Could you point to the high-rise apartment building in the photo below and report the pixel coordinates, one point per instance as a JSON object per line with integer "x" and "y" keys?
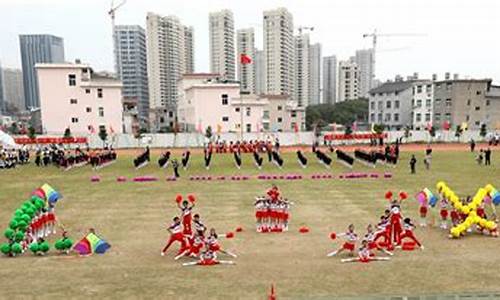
{"x": 366, "y": 67}
{"x": 260, "y": 72}
{"x": 246, "y": 72}
{"x": 221, "y": 42}
{"x": 279, "y": 51}
{"x": 170, "y": 54}
{"x": 315, "y": 74}
{"x": 348, "y": 81}
{"x": 302, "y": 70}
{"x": 13, "y": 89}
{"x": 37, "y": 48}
{"x": 131, "y": 66}
{"x": 330, "y": 79}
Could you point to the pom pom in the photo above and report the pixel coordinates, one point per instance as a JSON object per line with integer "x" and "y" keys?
{"x": 19, "y": 237}
{"x": 304, "y": 229}
{"x": 388, "y": 195}
{"x": 333, "y": 235}
{"x": 229, "y": 235}
{"x": 44, "y": 247}
{"x": 178, "y": 198}
{"x": 403, "y": 195}
{"x": 34, "y": 247}
{"x": 239, "y": 229}
{"x": 191, "y": 198}
{"x": 5, "y": 248}
{"x": 16, "y": 248}
{"x": 9, "y": 233}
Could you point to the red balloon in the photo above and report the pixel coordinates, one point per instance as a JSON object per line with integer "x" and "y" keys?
{"x": 333, "y": 235}
{"x": 239, "y": 229}
{"x": 229, "y": 235}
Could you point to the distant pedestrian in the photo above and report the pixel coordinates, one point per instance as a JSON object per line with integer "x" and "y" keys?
{"x": 472, "y": 145}
{"x": 413, "y": 163}
{"x": 479, "y": 157}
{"x": 487, "y": 157}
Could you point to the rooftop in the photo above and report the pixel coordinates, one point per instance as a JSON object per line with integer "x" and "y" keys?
{"x": 391, "y": 87}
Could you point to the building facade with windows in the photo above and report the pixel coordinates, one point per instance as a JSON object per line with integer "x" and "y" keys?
{"x": 302, "y": 70}
{"x": 315, "y": 74}
{"x": 37, "y": 48}
{"x": 391, "y": 104}
{"x": 365, "y": 60}
{"x": 13, "y": 89}
{"x": 73, "y": 96}
{"x": 131, "y": 66}
{"x": 246, "y": 72}
{"x": 330, "y": 79}
{"x": 422, "y": 104}
{"x": 348, "y": 81}
{"x": 221, "y": 44}
{"x": 282, "y": 114}
{"x": 260, "y": 72}
{"x": 471, "y": 101}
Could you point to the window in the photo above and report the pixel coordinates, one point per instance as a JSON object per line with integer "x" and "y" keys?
{"x": 448, "y": 116}
{"x": 89, "y": 109}
{"x": 388, "y": 104}
{"x": 418, "y": 117}
{"x": 293, "y": 114}
{"x": 280, "y": 107}
{"x": 372, "y": 117}
{"x": 379, "y": 117}
{"x": 478, "y": 92}
{"x": 72, "y": 79}
{"x": 468, "y": 102}
{"x": 265, "y": 114}
{"x": 74, "y": 120}
{"x": 419, "y": 89}
{"x": 396, "y": 117}
{"x": 380, "y": 105}
{"x": 437, "y": 117}
{"x": 477, "y": 108}
{"x": 225, "y": 119}
{"x": 280, "y": 119}
{"x": 448, "y": 102}
{"x": 487, "y": 102}
{"x": 437, "y": 101}
{"x": 467, "y": 118}
{"x": 237, "y": 109}
{"x": 248, "y": 111}
{"x": 99, "y": 93}
{"x": 419, "y": 103}
{"x": 372, "y": 105}
{"x": 477, "y": 123}
{"x": 87, "y": 91}
{"x": 266, "y": 126}
{"x": 427, "y": 117}
{"x": 428, "y": 103}
{"x": 73, "y": 101}
{"x": 101, "y": 111}
{"x": 387, "y": 117}
{"x": 162, "y": 120}
{"x": 249, "y": 127}
{"x": 396, "y": 104}
{"x": 170, "y": 114}
{"x": 225, "y": 99}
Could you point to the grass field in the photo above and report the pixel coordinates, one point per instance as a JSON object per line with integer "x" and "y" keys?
{"x": 133, "y": 218}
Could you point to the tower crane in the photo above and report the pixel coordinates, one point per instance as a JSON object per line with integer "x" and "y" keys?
{"x": 301, "y": 28}
{"x": 112, "y": 14}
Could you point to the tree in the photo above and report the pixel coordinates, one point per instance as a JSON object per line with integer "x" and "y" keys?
{"x": 103, "y": 134}
{"x": 31, "y": 132}
{"x": 379, "y": 128}
{"x": 483, "y": 131}
{"x": 208, "y": 132}
{"x": 14, "y": 129}
{"x": 67, "y": 133}
{"x": 341, "y": 113}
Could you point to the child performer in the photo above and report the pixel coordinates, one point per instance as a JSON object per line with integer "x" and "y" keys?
{"x": 258, "y": 160}
{"x": 370, "y": 238}
{"x": 365, "y": 255}
{"x": 350, "y": 244}
{"x": 199, "y": 227}
{"x": 213, "y": 244}
{"x": 260, "y": 213}
{"x": 175, "y": 166}
{"x": 185, "y": 159}
{"x": 208, "y": 258}
{"x": 443, "y": 204}
{"x": 384, "y": 229}
{"x": 237, "y": 159}
{"x": 302, "y": 159}
{"x": 408, "y": 233}
{"x": 186, "y": 210}
{"x": 424, "y": 208}
{"x": 175, "y": 236}
{"x": 395, "y": 219}
{"x": 208, "y": 156}
{"x": 194, "y": 248}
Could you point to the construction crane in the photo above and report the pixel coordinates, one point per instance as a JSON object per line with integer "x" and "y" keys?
{"x": 374, "y": 35}
{"x": 112, "y": 13}
{"x": 304, "y": 28}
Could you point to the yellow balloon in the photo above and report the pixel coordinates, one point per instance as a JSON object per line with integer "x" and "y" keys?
{"x": 488, "y": 188}
{"x": 490, "y": 225}
{"x": 466, "y": 210}
{"x": 472, "y": 215}
{"x": 477, "y": 219}
{"x": 482, "y": 223}
{"x": 455, "y": 232}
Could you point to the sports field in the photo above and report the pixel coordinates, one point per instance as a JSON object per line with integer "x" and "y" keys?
{"x": 133, "y": 217}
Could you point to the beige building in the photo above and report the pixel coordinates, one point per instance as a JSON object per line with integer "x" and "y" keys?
{"x": 348, "y": 81}
{"x": 246, "y": 72}
{"x": 471, "y": 101}
{"x": 279, "y": 52}
{"x": 169, "y": 55}
{"x": 73, "y": 96}
{"x": 282, "y": 114}
{"x": 221, "y": 42}
{"x": 302, "y": 69}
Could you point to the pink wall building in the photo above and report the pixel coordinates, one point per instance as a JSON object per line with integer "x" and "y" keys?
{"x": 73, "y": 96}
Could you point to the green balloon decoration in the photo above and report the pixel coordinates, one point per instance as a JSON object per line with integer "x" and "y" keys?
{"x": 59, "y": 245}
{"x": 30, "y": 212}
{"x": 5, "y": 248}
{"x": 68, "y": 243}
{"x": 18, "y": 213}
{"x": 9, "y": 233}
{"x": 34, "y": 247}
{"x": 19, "y": 237}
{"x": 16, "y": 248}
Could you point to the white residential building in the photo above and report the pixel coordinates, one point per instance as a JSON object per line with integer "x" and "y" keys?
{"x": 282, "y": 114}
{"x": 302, "y": 70}
{"x": 73, "y": 96}
{"x": 330, "y": 79}
{"x": 366, "y": 67}
{"x": 422, "y": 103}
{"x": 348, "y": 81}
{"x": 221, "y": 42}
{"x": 260, "y": 72}
{"x": 246, "y": 72}
{"x": 169, "y": 55}
{"x": 315, "y": 74}
{"x": 279, "y": 49}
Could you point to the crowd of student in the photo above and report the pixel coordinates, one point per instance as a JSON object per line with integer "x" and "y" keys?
{"x": 10, "y": 158}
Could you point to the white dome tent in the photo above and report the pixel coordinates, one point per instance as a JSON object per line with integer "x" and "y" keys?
{"x": 6, "y": 141}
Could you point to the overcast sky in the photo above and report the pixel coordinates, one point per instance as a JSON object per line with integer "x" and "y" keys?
{"x": 459, "y": 36}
